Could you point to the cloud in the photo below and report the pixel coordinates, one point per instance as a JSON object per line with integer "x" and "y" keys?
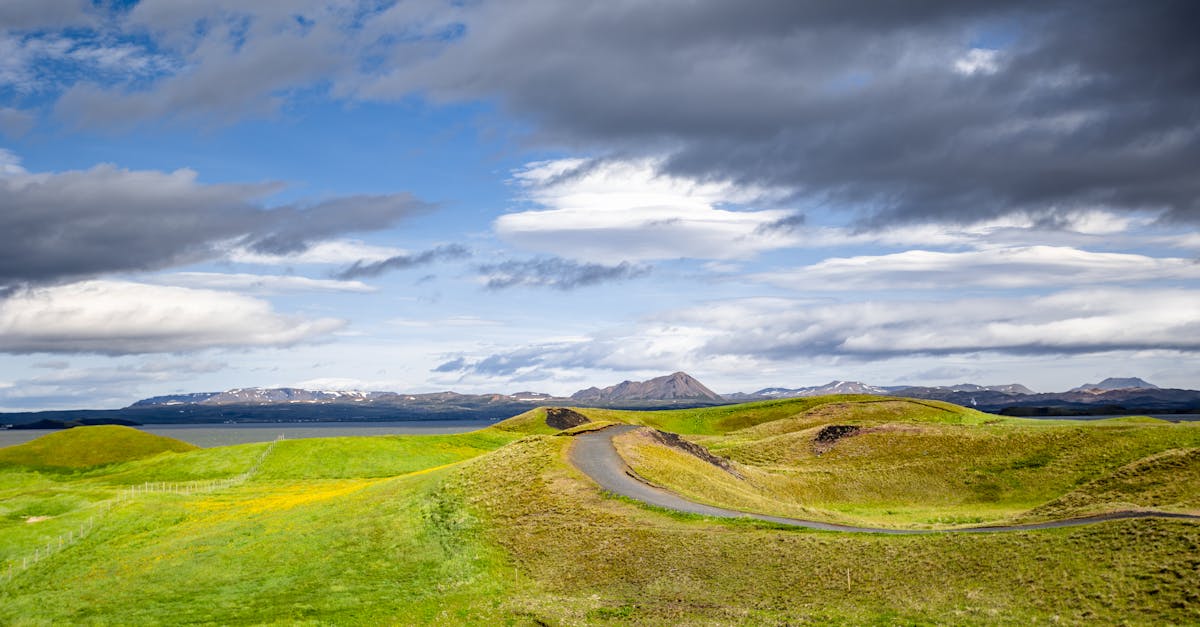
{"x": 559, "y": 274}
{"x": 751, "y": 333}
{"x": 233, "y": 62}
{"x": 888, "y": 112}
{"x": 31, "y": 14}
{"x": 339, "y": 251}
{"x": 15, "y": 122}
{"x": 56, "y": 226}
{"x": 978, "y": 61}
{"x": 43, "y": 62}
{"x": 120, "y": 318}
{"x": 999, "y": 268}
{"x": 257, "y": 283}
{"x": 454, "y": 365}
{"x": 606, "y": 209}
{"x": 786, "y": 223}
{"x": 404, "y": 262}
{"x": 108, "y": 386}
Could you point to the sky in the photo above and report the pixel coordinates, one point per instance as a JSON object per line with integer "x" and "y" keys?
{"x": 485, "y": 196}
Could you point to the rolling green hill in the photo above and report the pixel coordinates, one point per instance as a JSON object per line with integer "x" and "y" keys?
{"x": 496, "y": 526}
{"x": 903, "y": 463}
{"x": 81, "y": 447}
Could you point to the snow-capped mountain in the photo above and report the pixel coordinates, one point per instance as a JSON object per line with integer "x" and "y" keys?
{"x": 833, "y": 387}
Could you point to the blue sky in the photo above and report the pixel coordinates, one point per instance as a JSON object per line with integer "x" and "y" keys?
{"x": 495, "y": 197}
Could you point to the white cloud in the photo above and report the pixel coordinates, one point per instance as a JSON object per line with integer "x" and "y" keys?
{"x": 609, "y": 211}
{"x": 22, "y": 56}
{"x": 258, "y": 283}
{"x": 1016, "y": 267}
{"x": 1075, "y": 321}
{"x": 752, "y": 334}
{"x": 453, "y": 321}
{"x": 115, "y": 318}
{"x": 978, "y": 61}
{"x": 10, "y": 164}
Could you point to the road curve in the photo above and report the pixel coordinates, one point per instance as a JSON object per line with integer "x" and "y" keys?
{"x": 593, "y": 454}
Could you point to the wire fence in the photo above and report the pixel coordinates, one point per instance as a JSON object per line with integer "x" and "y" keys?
{"x": 16, "y": 566}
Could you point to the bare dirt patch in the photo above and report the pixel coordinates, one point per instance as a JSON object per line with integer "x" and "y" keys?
{"x": 562, "y": 418}
{"x": 830, "y": 434}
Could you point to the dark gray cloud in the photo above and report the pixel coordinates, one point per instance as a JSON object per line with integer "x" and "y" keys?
{"x": 292, "y": 229}
{"x": 556, "y": 273}
{"x": 362, "y": 269}
{"x": 92, "y": 222}
{"x": 15, "y": 122}
{"x": 929, "y": 109}
{"x": 789, "y": 223}
{"x": 28, "y": 14}
{"x": 878, "y": 107}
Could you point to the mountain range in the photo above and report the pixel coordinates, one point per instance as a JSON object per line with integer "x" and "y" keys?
{"x": 1112, "y": 395}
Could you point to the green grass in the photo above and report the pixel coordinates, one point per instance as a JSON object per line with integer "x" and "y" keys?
{"x": 601, "y": 559}
{"x": 82, "y": 447}
{"x": 918, "y": 464}
{"x": 376, "y": 456}
{"x": 495, "y": 527}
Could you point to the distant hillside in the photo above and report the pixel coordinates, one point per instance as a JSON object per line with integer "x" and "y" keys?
{"x": 1117, "y": 383}
{"x": 677, "y": 386}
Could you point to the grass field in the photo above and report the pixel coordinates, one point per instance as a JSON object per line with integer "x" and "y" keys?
{"x": 913, "y": 464}
{"x": 496, "y": 527}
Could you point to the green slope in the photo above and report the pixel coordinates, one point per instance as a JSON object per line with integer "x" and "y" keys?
{"x": 919, "y": 464}
{"x": 82, "y": 447}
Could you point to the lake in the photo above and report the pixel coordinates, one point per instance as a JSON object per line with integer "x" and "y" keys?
{"x": 209, "y": 435}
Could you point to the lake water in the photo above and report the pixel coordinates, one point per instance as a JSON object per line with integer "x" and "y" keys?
{"x": 209, "y": 435}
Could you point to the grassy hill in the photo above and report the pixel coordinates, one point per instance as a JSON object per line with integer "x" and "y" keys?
{"x": 496, "y": 527}
{"x": 82, "y": 447}
{"x": 906, "y": 463}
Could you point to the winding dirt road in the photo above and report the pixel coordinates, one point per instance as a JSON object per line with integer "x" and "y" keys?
{"x": 593, "y": 454}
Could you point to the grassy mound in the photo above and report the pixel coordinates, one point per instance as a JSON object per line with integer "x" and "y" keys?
{"x": 82, "y": 447}
{"x": 1169, "y": 480}
{"x": 528, "y": 423}
{"x": 600, "y": 560}
{"x": 906, "y": 463}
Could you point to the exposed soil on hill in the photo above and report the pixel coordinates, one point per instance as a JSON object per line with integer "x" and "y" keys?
{"x": 674, "y": 441}
{"x": 830, "y": 434}
{"x": 562, "y": 418}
